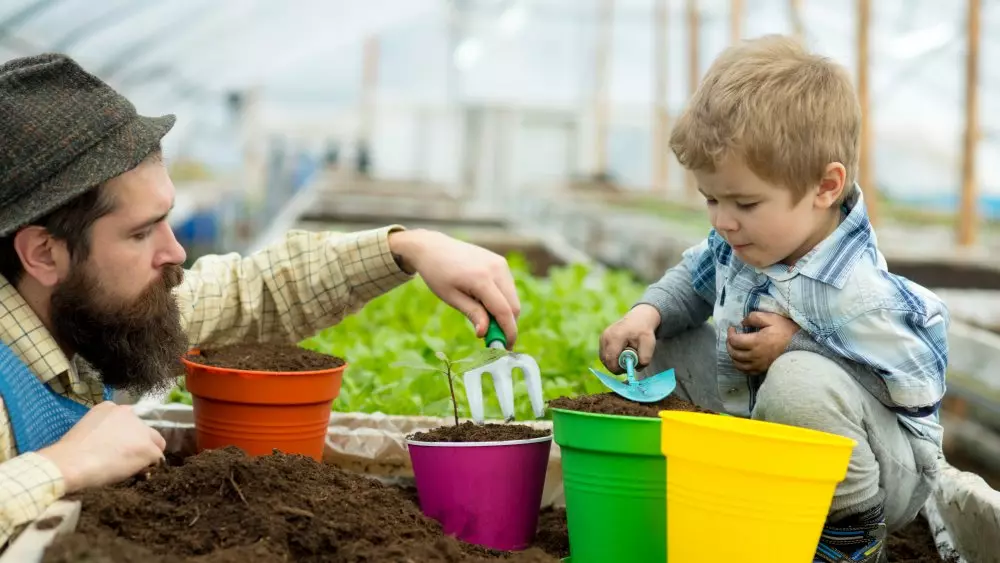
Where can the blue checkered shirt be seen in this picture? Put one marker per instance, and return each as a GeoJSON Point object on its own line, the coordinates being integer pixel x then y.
{"type": "Point", "coordinates": [887, 331]}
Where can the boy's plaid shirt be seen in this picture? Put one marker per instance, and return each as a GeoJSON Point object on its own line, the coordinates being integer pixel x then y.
{"type": "Point", "coordinates": [889, 332]}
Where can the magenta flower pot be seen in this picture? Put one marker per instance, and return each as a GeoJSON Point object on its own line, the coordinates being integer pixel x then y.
{"type": "Point", "coordinates": [484, 493]}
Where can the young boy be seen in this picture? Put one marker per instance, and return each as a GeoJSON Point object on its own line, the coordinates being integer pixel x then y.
{"type": "Point", "coordinates": [810, 329]}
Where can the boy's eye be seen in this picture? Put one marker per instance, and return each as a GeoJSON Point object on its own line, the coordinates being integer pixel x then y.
{"type": "Point", "coordinates": [710, 201]}
{"type": "Point", "coordinates": [746, 206]}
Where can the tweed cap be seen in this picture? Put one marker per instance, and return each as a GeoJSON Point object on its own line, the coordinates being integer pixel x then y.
{"type": "Point", "coordinates": [63, 132]}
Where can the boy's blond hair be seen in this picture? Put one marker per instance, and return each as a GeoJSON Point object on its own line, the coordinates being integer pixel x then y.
{"type": "Point", "coordinates": [785, 112]}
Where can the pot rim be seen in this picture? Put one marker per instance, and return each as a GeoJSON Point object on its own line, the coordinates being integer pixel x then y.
{"type": "Point", "coordinates": [656, 419]}
{"type": "Point", "coordinates": [216, 370]}
{"type": "Point", "coordinates": [479, 444]}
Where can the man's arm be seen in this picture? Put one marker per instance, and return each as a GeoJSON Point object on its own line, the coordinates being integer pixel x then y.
{"type": "Point", "coordinates": [29, 484]}
{"type": "Point", "coordinates": [290, 290]}
{"type": "Point", "coordinates": [685, 295]}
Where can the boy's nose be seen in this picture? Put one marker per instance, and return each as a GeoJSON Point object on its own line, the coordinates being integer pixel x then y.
{"type": "Point", "coordinates": [724, 222]}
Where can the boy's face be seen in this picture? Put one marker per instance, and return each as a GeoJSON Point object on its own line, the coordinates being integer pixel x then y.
{"type": "Point", "coordinates": [760, 220]}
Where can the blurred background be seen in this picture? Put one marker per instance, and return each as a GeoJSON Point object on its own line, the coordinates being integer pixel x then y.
{"type": "Point", "coordinates": [537, 128]}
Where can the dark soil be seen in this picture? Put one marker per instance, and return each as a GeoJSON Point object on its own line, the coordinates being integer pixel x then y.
{"type": "Point", "coordinates": [223, 507]}
{"type": "Point", "coordinates": [914, 544]}
{"type": "Point", "coordinates": [950, 276]}
{"type": "Point", "coordinates": [611, 403]}
{"type": "Point", "coordinates": [266, 357]}
{"type": "Point", "coordinates": [48, 523]}
{"type": "Point", "coordinates": [471, 432]}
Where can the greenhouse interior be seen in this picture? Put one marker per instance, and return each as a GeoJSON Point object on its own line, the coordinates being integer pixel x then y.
{"type": "Point", "coordinates": [535, 136]}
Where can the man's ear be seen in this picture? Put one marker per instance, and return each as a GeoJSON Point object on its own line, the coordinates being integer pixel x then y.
{"type": "Point", "coordinates": [43, 257]}
{"type": "Point", "coordinates": [831, 185]}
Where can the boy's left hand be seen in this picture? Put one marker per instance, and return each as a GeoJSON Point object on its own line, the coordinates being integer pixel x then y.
{"type": "Point", "coordinates": [754, 352]}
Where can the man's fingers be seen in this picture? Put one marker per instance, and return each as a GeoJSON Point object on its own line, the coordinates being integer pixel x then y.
{"type": "Point", "coordinates": [158, 439]}
{"type": "Point", "coordinates": [493, 299]}
{"type": "Point", "coordinates": [505, 281]}
{"type": "Point", "coordinates": [472, 309]}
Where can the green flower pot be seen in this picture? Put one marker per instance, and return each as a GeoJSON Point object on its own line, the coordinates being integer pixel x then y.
{"type": "Point", "coordinates": [614, 477]}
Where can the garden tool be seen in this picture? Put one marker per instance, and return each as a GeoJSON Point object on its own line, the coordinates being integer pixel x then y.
{"type": "Point", "coordinates": [648, 390]}
{"type": "Point", "coordinates": [501, 370]}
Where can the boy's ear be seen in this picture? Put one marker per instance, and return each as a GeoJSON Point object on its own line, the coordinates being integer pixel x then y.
{"type": "Point", "coordinates": [831, 185]}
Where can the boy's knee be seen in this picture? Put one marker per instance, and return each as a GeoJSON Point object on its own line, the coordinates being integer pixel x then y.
{"type": "Point", "coordinates": [801, 387]}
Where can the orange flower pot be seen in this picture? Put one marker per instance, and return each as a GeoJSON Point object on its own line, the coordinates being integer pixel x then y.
{"type": "Point", "coordinates": [262, 411]}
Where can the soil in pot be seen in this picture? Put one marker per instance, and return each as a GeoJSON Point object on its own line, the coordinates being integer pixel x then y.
{"type": "Point", "coordinates": [222, 506]}
{"type": "Point", "coordinates": [266, 357]}
{"type": "Point", "coordinates": [614, 404]}
{"type": "Point", "coordinates": [471, 432]}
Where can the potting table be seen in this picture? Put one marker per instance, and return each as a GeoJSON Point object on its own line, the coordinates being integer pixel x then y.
{"type": "Point", "coordinates": [29, 546]}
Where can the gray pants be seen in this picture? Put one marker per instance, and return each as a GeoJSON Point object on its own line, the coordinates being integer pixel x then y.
{"type": "Point", "coordinates": [889, 465]}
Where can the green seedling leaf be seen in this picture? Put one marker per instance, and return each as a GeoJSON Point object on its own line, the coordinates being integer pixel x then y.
{"type": "Point", "coordinates": [481, 357]}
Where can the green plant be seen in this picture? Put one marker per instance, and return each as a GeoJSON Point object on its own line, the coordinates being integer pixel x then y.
{"type": "Point", "coordinates": [562, 317]}
{"type": "Point", "coordinates": [481, 358]}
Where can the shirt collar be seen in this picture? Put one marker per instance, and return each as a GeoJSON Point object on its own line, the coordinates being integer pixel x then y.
{"type": "Point", "coordinates": [834, 258]}
{"type": "Point", "coordinates": [23, 332]}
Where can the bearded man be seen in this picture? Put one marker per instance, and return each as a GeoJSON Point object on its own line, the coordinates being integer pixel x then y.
{"type": "Point", "coordinates": [93, 297]}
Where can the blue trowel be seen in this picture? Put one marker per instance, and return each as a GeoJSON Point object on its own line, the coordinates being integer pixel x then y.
{"type": "Point", "coordinates": [648, 390]}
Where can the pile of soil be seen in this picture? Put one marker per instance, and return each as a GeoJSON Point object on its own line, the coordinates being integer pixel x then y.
{"type": "Point", "coordinates": [914, 544]}
{"type": "Point", "coordinates": [266, 357]}
{"type": "Point", "coordinates": [224, 507]}
{"type": "Point", "coordinates": [471, 432]}
{"type": "Point", "coordinates": [611, 403]}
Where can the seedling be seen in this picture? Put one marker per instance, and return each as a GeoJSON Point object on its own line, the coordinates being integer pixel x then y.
{"type": "Point", "coordinates": [447, 367]}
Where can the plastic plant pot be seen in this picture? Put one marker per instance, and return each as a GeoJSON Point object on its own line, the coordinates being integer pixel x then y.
{"type": "Point", "coordinates": [614, 477]}
{"type": "Point", "coordinates": [764, 487]}
{"type": "Point", "coordinates": [483, 493]}
{"type": "Point", "coordinates": [262, 411]}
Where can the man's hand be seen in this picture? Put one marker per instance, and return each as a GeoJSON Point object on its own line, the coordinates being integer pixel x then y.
{"type": "Point", "coordinates": [471, 279]}
{"type": "Point", "coordinates": [637, 330]}
{"type": "Point", "coordinates": [754, 352]}
{"type": "Point", "coordinates": [108, 445]}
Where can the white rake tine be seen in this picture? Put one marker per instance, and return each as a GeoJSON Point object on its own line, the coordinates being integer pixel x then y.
{"type": "Point", "coordinates": [474, 393]}
{"type": "Point", "coordinates": [504, 385]}
{"type": "Point", "coordinates": [533, 379]}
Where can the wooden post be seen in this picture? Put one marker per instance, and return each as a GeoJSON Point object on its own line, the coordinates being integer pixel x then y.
{"type": "Point", "coordinates": [735, 21]}
{"type": "Point", "coordinates": [866, 176]}
{"type": "Point", "coordinates": [968, 217]}
{"type": "Point", "coordinates": [694, 74]}
{"type": "Point", "coordinates": [369, 87]}
{"type": "Point", "coordinates": [798, 25]}
{"type": "Point", "coordinates": [602, 79]}
{"type": "Point", "coordinates": [661, 116]}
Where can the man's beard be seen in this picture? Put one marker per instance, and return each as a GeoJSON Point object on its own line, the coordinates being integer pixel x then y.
{"type": "Point", "coordinates": [136, 346]}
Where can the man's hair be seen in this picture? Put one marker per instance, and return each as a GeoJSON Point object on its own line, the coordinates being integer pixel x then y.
{"type": "Point", "coordinates": [785, 112]}
{"type": "Point", "coordinates": [71, 223]}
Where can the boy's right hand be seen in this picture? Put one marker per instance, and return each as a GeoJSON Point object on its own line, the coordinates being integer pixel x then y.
{"type": "Point", "coordinates": [635, 330]}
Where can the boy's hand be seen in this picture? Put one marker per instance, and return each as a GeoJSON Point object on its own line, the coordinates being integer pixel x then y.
{"type": "Point", "coordinates": [754, 352]}
{"type": "Point", "coordinates": [637, 330]}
